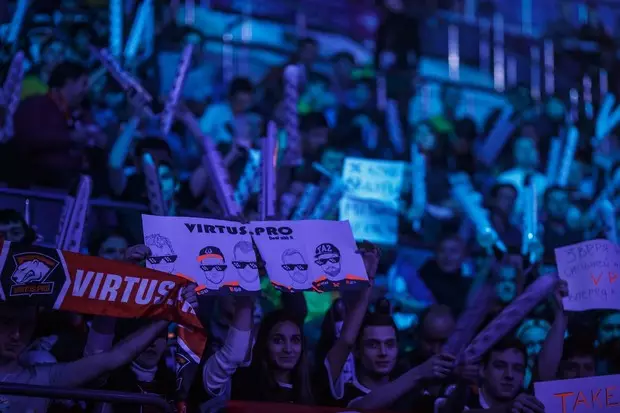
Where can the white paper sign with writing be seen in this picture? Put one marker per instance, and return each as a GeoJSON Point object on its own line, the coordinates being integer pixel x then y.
{"type": "Point", "coordinates": [312, 255]}
{"type": "Point", "coordinates": [591, 270]}
{"type": "Point", "coordinates": [218, 255]}
{"type": "Point", "coordinates": [592, 394]}
{"type": "Point", "coordinates": [374, 179]}
{"type": "Point", "coordinates": [370, 220]}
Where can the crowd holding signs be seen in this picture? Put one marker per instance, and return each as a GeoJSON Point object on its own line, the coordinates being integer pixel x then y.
{"type": "Point", "coordinates": [221, 255]}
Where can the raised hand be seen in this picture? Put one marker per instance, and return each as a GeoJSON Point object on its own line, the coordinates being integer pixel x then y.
{"type": "Point", "coordinates": [188, 293]}
{"type": "Point", "coordinates": [561, 291]}
{"type": "Point", "coordinates": [524, 403]}
{"type": "Point", "coordinates": [137, 253]}
{"type": "Point", "coordinates": [439, 366]}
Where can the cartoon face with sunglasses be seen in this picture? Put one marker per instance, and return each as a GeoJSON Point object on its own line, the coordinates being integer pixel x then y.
{"type": "Point", "coordinates": [213, 265]}
{"type": "Point", "coordinates": [162, 254]}
{"type": "Point", "coordinates": [327, 256]}
{"type": "Point", "coordinates": [244, 261]}
{"type": "Point", "coordinates": [295, 264]}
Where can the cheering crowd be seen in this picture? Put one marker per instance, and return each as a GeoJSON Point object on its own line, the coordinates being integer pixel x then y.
{"type": "Point", "coordinates": [409, 341]}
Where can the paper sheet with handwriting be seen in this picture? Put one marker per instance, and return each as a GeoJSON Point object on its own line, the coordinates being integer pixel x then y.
{"type": "Point", "coordinates": [217, 255]}
{"type": "Point", "coordinates": [591, 394]}
{"type": "Point", "coordinates": [592, 270]}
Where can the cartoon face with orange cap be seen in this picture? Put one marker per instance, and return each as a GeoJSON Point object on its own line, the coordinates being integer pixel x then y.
{"type": "Point", "coordinates": [212, 264]}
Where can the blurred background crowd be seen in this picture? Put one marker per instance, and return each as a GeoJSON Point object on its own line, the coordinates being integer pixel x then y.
{"type": "Point", "coordinates": [453, 76]}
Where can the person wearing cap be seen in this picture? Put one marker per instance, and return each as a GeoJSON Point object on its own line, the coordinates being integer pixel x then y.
{"type": "Point", "coordinates": [213, 265]}
{"type": "Point", "coordinates": [327, 256]}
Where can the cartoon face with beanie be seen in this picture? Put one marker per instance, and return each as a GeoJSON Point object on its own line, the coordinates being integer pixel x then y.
{"type": "Point", "coordinates": [212, 264]}
{"type": "Point", "coordinates": [327, 256]}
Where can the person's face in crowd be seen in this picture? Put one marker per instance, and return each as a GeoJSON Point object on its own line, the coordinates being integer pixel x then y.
{"type": "Point", "coordinates": [52, 54]}
{"type": "Point", "coordinates": [379, 350]}
{"type": "Point", "coordinates": [308, 54]}
{"type": "Point", "coordinates": [558, 204]}
{"type": "Point", "coordinates": [343, 67]}
{"type": "Point", "coordinates": [168, 182]}
{"type": "Point", "coordinates": [506, 287]}
{"type": "Point", "coordinates": [578, 367]}
{"type": "Point", "coordinates": [505, 199]}
{"type": "Point", "coordinates": [361, 94]}
{"type": "Point", "coordinates": [555, 109]}
{"type": "Point", "coordinates": [284, 346]}
{"type": "Point", "coordinates": [504, 373]}
{"type": "Point", "coordinates": [395, 6]}
{"type": "Point", "coordinates": [450, 255]}
{"type": "Point", "coordinates": [425, 137]}
{"type": "Point", "coordinates": [75, 90]}
{"type": "Point", "coordinates": [150, 357]}
{"type": "Point", "coordinates": [533, 338]}
{"type": "Point", "coordinates": [246, 265]}
{"type": "Point", "coordinates": [436, 330]}
{"type": "Point", "coordinates": [240, 102]}
{"type": "Point", "coordinates": [16, 330]}
{"type": "Point", "coordinates": [12, 231]}
{"type": "Point", "coordinates": [162, 258]}
{"type": "Point", "coordinates": [316, 139]}
{"type": "Point", "coordinates": [296, 267]}
{"type": "Point", "coordinates": [113, 248]}
{"type": "Point", "coordinates": [213, 269]}
{"type": "Point", "coordinates": [525, 153]}
{"type": "Point", "coordinates": [333, 160]}
{"type": "Point", "coordinates": [82, 41]}
{"type": "Point", "coordinates": [609, 328]}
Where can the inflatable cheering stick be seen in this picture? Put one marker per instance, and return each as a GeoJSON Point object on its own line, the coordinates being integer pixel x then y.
{"type": "Point", "coordinates": [293, 155]}
{"type": "Point", "coordinates": [116, 28]}
{"type": "Point", "coordinates": [11, 91]}
{"type": "Point", "coordinates": [572, 139]}
{"type": "Point", "coordinates": [395, 130]}
{"type": "Point", "coordinates": [510, 317]}
{"type": "Point", "coordinates": [137, 30]}
{"type": "Point", "coordinates": [555, 151]}
{"type": "Point", "coordinates": [129, 84]}
{"type": "Point", "coordinates": [418, 192]}
{"type": "Point", "coordinates": [498, 137]}
{"type": "Point", "coordinates": [177, 87]}
{"type": "Point", "coordinates": [17, 21]}
{"type": "Point", "coordinates": [607, 193]}
{"type": "Point", "coordinates": [307, 200]}
{"type": "Point", "coordinates": [73, 218]}
{"type": "Point", "coordinates": [608, 216]}
{"type": "Point", "coordinates": [245, 185]}
{"type": "Point", "coordinates": [157, 204]}
{"type": "Point", "coordinates": [268, 195]}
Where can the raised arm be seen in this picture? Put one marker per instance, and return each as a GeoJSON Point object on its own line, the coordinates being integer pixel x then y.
{"type": "Point", "coordinates": [384, 396]}
{"type": "Point", "coordinates": [82, 371]}
{"type": "Point", "coordinates": [221, 366]}
{"type": "Point", "coordinates": [551, 353]}
{"type": "Point", "coordinates": [338, 354]}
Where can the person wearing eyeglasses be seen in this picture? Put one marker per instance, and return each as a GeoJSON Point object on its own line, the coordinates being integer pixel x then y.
{"type": "Point", "coordinates": [245, 261]}
{"type": "Point", "coordinates": [213, 265]}
{"type": "Point", "coordinates": [327, 256]}
{"type": "Point", "coordinates": [295, 264]}
{"type": "Point", "coordinates": [162, 256]}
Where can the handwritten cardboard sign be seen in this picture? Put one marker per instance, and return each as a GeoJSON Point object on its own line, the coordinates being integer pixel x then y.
{"type": "Point", "coordinates": [591, 395]}
{"type": "Point", "coordinates": [592, 270]}
{"type": "Point", "coordinates": [370, 220]}
{"type": "Point", "coordinates": [374, 179]}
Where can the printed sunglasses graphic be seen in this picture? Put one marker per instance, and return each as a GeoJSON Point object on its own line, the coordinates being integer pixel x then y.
{"type": "Point", "coordinates": [291, 267]}
{"type": "Point", "coordinates": [242, 264]}
{"type": "Point", "coordinates": [164, 258]}
{"type": "Point", "coordinates": [323, 261]}
{"type": "Point", "coordinates": [216, 267]}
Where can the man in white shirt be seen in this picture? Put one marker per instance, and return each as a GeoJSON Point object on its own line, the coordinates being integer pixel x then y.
{"type": "Point", "coordinates": [526, 161]}
{"type": "Point", "coordinates": [229, 120]}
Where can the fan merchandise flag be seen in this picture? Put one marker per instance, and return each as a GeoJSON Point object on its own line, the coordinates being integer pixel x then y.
{"type": "Point", "coordinates": [67, 281]}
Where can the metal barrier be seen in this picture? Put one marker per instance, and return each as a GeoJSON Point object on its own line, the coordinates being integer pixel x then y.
{"type": "Point", "coordinates": [59, 393]}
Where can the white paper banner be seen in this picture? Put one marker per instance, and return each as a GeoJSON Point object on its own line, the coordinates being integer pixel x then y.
{"type": "Point", "coordinates": [374, 179]}
{"type": "Point", "coordinates": [592, 394]}
{"type": "Point", "coordinates": [370, 220]}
